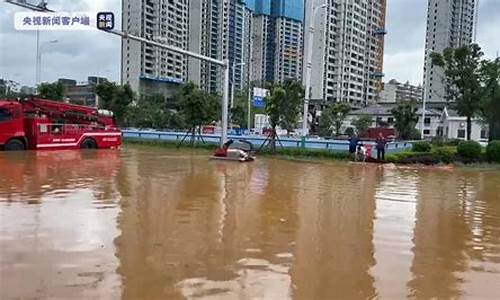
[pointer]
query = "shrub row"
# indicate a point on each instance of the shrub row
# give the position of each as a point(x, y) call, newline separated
point(299, 152)
point(493, 151)
point(426, 158)
point(440, 142)
point(469, 151)
point(421, 146)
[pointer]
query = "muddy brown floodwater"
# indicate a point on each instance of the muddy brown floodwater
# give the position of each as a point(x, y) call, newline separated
point(148, 223)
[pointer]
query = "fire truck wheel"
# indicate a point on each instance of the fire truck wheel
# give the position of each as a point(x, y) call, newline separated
point(14, 145)
point(88, 144)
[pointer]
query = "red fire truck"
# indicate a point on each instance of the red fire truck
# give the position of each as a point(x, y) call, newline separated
point(36, 124)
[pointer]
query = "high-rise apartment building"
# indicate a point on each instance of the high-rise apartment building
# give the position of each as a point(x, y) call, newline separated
point(264, 37)
point(219, 29)
point(450, 24)
point(277, 39)
point(147, 68)
point(348, 50)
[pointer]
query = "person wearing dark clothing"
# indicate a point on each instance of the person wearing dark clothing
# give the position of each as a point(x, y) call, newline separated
point(381, 142)
point(353, 143)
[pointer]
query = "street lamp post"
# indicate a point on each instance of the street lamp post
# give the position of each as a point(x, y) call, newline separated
point(309, 48)
point(249, 104)
point(422, 125)
point(39, 52)
point(222, 63)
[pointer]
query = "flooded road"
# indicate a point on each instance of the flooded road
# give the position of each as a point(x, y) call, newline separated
point(148, 223)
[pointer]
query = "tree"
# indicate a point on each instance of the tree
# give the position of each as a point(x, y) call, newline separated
point(152, 112)
point(283, 106)
point(462, 78)
point(197, 107)
point(52, 91)
point(490, 102)
point(8, 89)
point(332, 118)
point(292, 107)
point(274, 103)
point(362, 124)
point(115, 98)
point(349, 131)
point(406, 118)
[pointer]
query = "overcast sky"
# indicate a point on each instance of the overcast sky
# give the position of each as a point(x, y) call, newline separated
point(79, 54)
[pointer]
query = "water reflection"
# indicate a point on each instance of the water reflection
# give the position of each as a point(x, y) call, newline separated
point(395, 198)
point(445, 234)
point(334, 243)
point(56, 240)
point(156, 224)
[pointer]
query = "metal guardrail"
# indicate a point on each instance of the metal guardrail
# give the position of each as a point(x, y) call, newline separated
point(315, 144)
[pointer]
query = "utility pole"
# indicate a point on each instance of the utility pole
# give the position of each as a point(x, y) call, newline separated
point(223, 63)
point(249, 104)
point(310, 41)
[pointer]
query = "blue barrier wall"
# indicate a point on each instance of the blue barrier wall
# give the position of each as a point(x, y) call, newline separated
point(333, 145)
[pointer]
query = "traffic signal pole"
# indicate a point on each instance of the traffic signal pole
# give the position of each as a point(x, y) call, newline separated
point(222, 63)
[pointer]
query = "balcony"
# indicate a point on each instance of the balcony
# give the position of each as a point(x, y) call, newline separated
point(377, 75)
point(380, 31)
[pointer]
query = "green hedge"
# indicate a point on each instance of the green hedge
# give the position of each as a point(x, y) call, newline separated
point(469, 151)
point(170, 144)
point(299, 152)
point(452, 142)
point(426, 158)
point(438, 141)
point(436, 155)
point(422, 146)
point(444, 154)
point(493, 151)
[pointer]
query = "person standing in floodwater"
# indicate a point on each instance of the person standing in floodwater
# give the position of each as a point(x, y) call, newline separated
point(353, 143)
point(381, 142)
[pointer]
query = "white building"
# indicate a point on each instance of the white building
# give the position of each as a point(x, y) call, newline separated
point(450, 24)
point(348, 50)
point(454, 126)
point(381, 116)
point(394, 92)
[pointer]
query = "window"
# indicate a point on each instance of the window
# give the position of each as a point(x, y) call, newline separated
point(484, 134)
point(5, 115)
point(427, 131)
point(461, 133)
point(390, 120)
point(427, 121)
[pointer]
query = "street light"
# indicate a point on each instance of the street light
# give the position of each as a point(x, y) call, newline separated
point(309, 48)
point(39, 51)
point(42, 6)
